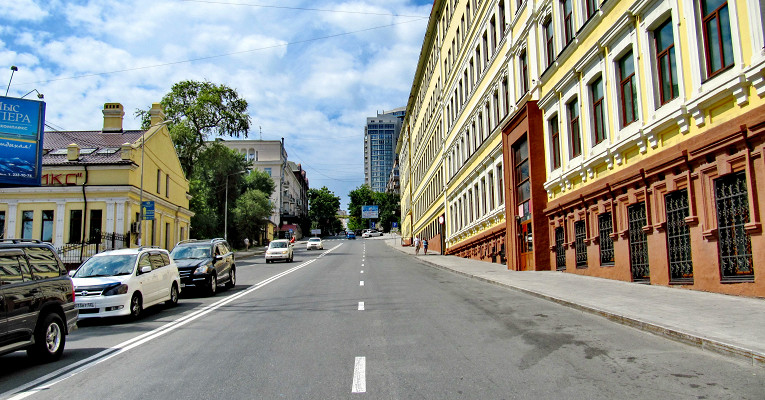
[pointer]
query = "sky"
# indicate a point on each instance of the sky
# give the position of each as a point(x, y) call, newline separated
point(311, 71)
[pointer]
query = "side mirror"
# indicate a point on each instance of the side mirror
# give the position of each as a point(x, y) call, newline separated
point(71, 273)
point(146, 269)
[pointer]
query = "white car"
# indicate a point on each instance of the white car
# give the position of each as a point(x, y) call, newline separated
point(314, 243)
point(125, 282)
point(280, 249)
point(371, 233)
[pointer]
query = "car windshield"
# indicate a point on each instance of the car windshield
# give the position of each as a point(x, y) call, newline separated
point(314, 240)
point(110, 265)
point(182, 252)
point(278, 245)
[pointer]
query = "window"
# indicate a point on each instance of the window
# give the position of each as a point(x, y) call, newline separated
point(493, 32)
point(524, 69)
point(159, 179)
point(605, 229)
point(580, 234)
point(522, 182)
point(501, 7)
point(549, 42)
point(718, 46)
point(43, 263)
point(485, 49)
point(47, 226)
point(27, 218)
point(734, 243)
point(500, 185)
point(10, 269)
point(491, 190)
point(592, 8)
point(638, 242)
point(555, 141)
point(598, 113)
point(678, 237)
point(627, 89)
point(665, 61)
point(167, 185)
point(560, 251)
point(2, 224)
point(568, 20)
point(573, 123)
point(267, 170)
point(95, 226)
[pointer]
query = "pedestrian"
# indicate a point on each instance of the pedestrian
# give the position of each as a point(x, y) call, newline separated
point(246, 244)
point(416, 246)
point(425, 245)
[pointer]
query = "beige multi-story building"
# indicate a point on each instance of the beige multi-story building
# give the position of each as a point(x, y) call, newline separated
point(619, 139)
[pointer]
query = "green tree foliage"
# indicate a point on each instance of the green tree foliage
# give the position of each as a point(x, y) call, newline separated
point(199, 110)
point(322, 209)
point(388, 206)
point(252, 210)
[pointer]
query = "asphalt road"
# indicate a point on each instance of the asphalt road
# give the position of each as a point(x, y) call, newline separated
point(300, 331)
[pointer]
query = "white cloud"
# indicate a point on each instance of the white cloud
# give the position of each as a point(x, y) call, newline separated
point(21, 10)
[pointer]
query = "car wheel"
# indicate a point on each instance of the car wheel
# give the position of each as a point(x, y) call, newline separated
point(268, 261)
point(232, 279)
point(49, 339)
point(136, 305)
point(213, 286)
point(173, 301)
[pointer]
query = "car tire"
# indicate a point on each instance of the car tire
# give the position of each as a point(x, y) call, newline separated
point(212, 287)
point(136, 305)
point(231, 279)
point(268, 261)
point(49, 339)
point(173, 301)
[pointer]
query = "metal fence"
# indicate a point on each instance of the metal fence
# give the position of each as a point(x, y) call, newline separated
point(73, 254)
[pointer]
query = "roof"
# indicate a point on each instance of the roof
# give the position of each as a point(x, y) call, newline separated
point(106, 146)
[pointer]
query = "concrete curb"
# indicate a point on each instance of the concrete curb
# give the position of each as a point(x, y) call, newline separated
point(725, 349)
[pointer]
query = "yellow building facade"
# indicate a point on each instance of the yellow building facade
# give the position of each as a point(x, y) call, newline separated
point(619, 139)
point(92, 189)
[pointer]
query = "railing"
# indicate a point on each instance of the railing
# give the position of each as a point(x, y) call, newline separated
point(73, 254)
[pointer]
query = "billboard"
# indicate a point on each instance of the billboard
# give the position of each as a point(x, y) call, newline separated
point(371, 212)
point(21, 135)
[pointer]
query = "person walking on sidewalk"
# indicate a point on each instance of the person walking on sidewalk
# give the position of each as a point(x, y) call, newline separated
point(416, 246)
point(425, 245)
point(246, 244)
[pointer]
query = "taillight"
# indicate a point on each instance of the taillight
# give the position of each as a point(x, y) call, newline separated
point(72, 283)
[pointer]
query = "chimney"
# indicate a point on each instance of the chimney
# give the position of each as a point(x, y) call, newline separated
point(156, 113)
point(113, 113)
point(126, 151)
point(73, 152)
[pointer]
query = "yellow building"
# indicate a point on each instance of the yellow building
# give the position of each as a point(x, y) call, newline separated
point(92, 187)
point(620, 139)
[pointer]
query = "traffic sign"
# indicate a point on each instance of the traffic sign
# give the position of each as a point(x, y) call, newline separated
point(148, 210)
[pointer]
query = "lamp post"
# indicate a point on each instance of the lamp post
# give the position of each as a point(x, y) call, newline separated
point(225, 208)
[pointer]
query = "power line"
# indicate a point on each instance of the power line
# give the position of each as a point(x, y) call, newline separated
point(222, 55)
point(303, 8)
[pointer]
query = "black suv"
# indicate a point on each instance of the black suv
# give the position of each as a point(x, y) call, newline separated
point(205, 263)
point(37, 308)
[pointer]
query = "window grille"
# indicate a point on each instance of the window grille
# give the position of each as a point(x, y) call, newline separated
point(678, 237)
point(560, 252)
point(605, 229)
point(732, 213)
point(638, 242)
point(581, 248)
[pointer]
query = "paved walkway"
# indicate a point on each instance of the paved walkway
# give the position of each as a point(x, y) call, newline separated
point(730, 325)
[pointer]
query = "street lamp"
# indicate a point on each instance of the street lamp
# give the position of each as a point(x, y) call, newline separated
point(225, 208)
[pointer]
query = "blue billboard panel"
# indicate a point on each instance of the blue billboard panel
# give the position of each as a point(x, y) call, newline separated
point(371, 212)
point(21, 135)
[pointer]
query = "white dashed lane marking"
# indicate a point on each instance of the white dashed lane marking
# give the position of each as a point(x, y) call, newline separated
point(361, 306)
point(361, 283)
point(359, 376)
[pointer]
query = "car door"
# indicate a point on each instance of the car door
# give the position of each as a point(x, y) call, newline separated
point(20, 293)
point(146, 283)
point(223, 262)
point(157, 281)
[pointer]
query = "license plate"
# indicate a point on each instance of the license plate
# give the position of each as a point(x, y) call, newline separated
point(84, 305)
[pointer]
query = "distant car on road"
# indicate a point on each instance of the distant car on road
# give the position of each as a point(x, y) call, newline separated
point(37, 308)
point(350, 235)
point(125, 282)
point(371, 233)
point(314, 243)
point(280, 249)
point(205, 264)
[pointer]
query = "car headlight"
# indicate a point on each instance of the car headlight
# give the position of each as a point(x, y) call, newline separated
point(201, 270)
point(116, 289)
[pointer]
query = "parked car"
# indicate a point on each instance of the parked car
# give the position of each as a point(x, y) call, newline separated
point(350, 235)
point(125, 282)
point(280, 249)
point(205, 264)
point(37, 308)
point(314, 243)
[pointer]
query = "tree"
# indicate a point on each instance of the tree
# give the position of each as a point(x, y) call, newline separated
point(250, 214)
point(198, 110)
point(322, 209)
point(388, 207)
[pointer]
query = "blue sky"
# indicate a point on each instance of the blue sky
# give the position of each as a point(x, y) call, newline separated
point(301, 83)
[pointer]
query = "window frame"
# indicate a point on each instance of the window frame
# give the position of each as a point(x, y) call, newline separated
point(624, 82)
point(704, 19)
point(555, 158)
point(574, 131)
point(671, 59)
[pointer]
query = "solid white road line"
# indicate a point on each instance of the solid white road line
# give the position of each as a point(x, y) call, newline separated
point(48, 380)
point(359, 376)
point(361, 306)
point(361, 283)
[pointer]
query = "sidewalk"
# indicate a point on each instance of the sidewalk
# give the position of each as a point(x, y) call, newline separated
point(730, 325)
